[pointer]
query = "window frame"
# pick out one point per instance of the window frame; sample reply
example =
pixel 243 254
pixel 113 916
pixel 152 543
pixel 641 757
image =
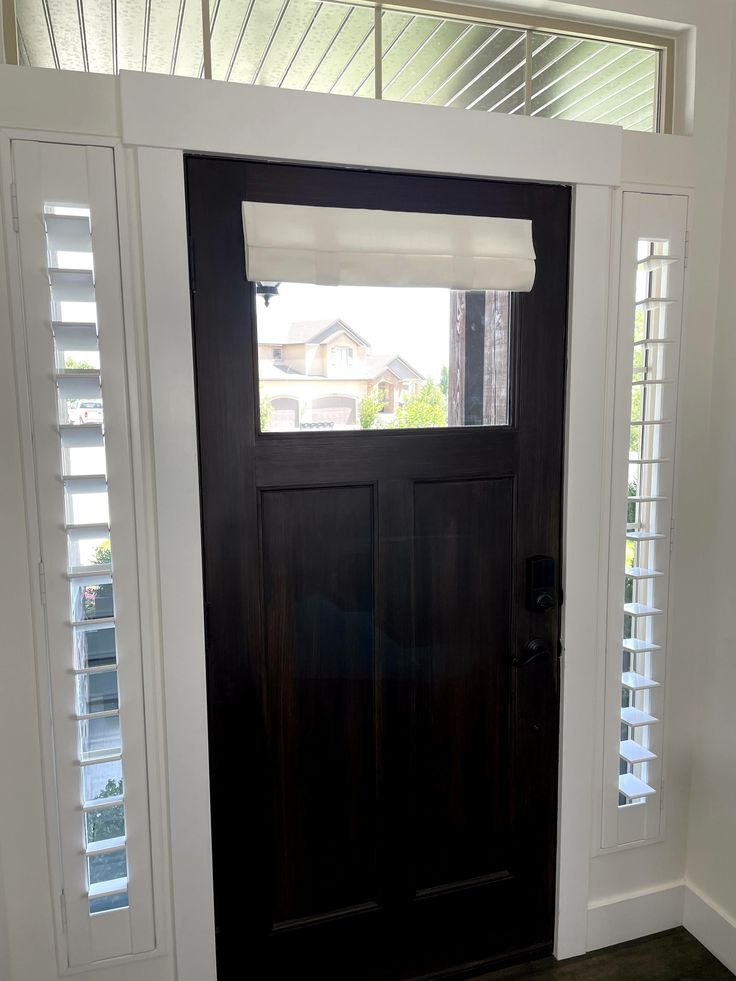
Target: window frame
pixel 663 43
pixel 651 216
pixel 106 188
pixel 587 30
pixel 341 356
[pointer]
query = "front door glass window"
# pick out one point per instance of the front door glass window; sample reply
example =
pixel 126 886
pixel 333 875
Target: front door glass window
pixel 359 358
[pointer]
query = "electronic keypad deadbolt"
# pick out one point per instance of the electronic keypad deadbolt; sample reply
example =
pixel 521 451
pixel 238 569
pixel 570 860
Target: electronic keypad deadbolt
pixel 541 583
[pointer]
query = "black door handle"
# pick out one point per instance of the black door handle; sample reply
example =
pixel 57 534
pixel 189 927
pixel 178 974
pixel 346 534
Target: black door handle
pixel 533 651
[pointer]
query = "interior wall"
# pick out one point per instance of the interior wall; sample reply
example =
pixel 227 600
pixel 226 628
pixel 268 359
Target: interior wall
pixel 711 851
pixel 27 910
pixel 642 870
pixel 4 944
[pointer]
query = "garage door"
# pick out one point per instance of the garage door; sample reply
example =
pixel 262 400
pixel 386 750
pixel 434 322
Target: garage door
pixel 336 409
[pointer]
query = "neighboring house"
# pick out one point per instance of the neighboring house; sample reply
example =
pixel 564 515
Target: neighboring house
pixel 315 374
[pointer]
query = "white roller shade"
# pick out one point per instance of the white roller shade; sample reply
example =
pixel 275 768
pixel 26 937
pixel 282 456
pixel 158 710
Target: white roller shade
pixel 357 247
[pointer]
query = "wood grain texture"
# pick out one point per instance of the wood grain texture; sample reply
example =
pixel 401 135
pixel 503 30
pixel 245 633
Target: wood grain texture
pixel 391 774
pixel 462 604
pixel 320 717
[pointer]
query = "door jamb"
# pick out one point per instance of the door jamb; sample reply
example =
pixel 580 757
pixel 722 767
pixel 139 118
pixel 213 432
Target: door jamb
pixel 178 517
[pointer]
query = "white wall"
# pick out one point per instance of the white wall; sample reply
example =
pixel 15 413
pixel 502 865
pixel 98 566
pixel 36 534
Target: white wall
pixel 28 921
pixel 640 870
pixel 4 943
pixel 711 851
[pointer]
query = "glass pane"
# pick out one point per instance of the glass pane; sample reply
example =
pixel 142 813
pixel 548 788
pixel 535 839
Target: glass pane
pixel 644 480
pixel 92 598
pixel 88 546
pixel 70 311
pixel 99 737
pixel 442 62
pixel 80 399
pixel 86 501
pixel 83 450
pixel 106 823
pixel 177 33
pixel 94 647
pixel 594 81
pixel 76 347
pixel 70 285
pixel 69 241
pixel 97 692
pixel 349 358
pixel 104 868
pixel 102 780
pixel 105 903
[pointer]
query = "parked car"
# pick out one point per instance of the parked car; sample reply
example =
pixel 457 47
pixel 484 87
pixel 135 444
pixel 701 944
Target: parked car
pixel 86 411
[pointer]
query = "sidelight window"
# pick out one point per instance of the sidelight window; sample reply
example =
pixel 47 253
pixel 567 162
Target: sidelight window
pixel 653 253
pixel 80 459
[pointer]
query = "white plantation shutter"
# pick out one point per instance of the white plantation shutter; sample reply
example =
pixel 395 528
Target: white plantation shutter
pixel 90 651
pixel 359 247
pixel 648 355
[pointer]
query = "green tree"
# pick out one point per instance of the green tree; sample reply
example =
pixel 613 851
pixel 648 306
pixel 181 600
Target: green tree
pixel 98 599
pixel 266 411
pixel 425 409
pixel 102 555
pixel 444 379
pixel 108 822
pixel 369 407
pixel 74 364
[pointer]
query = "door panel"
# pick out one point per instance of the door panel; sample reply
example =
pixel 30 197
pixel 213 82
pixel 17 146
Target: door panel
pixel 381 743
pixel 462 561
pixel 319 667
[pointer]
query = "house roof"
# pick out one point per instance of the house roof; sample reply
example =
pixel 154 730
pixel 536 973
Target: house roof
pixel 376 364
pixel 310 332
pixel 319 332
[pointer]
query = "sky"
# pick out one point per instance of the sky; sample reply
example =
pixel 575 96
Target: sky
pixel 414 323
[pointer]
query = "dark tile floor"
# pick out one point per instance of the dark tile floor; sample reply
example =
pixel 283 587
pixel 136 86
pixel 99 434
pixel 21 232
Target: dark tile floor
pixel 671 956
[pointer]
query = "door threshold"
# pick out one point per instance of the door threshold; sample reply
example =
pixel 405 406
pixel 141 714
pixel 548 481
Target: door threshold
pixel 478 969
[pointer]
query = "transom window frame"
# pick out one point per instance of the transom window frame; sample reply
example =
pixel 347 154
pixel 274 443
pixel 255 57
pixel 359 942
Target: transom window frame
pixel 586 30
pixel 663 44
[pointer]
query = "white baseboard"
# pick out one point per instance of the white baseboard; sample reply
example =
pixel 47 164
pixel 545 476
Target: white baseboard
pixel 640 914
pixel 711 925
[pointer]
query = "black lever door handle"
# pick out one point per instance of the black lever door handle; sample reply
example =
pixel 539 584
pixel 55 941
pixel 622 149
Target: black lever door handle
pixel 533 651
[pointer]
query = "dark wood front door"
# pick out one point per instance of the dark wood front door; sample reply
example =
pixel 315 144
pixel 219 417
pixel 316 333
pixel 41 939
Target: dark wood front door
pixel 383 740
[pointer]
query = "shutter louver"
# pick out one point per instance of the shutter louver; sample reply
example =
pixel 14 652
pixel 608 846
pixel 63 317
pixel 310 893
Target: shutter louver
pixel 89 546
pixel 74 339
pixel 648 361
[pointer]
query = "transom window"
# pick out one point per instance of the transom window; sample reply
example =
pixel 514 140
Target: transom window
pixel 491 62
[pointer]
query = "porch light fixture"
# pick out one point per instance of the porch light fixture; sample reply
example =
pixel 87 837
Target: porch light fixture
pixel 267 290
